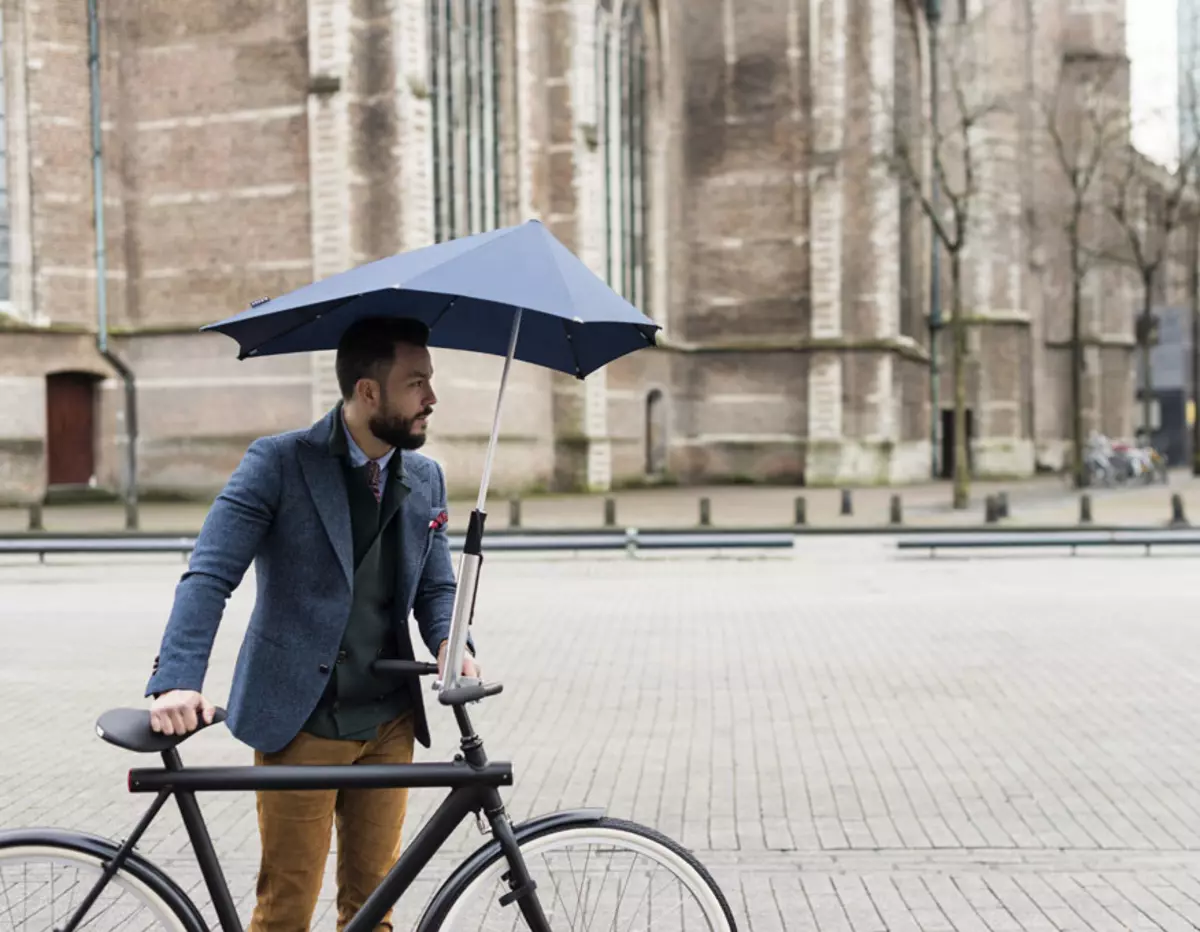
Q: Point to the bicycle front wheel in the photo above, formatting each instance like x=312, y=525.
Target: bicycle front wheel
x=609, y=874
x=47, y=877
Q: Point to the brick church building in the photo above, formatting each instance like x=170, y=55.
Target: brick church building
x=715, y=160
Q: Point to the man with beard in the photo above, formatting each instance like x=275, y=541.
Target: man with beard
x=346, y=526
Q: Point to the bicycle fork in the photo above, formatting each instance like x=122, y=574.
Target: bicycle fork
x=522, y=888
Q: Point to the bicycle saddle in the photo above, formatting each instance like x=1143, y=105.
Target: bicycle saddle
x=130, y=729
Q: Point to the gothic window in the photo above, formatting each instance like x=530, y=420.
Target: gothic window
x=908, y=125
x=5, y=219
x=464, y=43
x=621, y=62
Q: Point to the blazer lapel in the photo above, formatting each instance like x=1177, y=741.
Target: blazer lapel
x=327, y=486
x=413, y=528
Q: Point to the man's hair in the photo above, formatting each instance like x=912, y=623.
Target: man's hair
x=368, y=346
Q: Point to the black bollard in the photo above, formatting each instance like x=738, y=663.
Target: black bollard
x=610, y=512
x=801, y=516
x=1178, y=518
x=514, y=513
x=36, y=522
x=1085, y=509
x=1002, y=504
x=847, y=503
x=991, y=510
x=897, y=511
x=705, y=513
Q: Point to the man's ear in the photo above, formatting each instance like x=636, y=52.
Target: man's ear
x=367, y=391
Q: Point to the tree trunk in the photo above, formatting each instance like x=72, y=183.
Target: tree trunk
x=962, y=470
x=1077, y=464
x=1147, y=375
x=1194, y=290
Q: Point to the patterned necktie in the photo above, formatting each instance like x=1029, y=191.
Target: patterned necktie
x=373, y=479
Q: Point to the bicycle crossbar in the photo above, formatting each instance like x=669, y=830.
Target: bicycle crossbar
x=319, y=777
x=630, y=539
x=1144, y=538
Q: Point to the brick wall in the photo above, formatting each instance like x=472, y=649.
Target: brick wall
x=791, y=287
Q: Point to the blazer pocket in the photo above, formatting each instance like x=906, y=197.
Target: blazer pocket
x=271, y=639
x=437, y=519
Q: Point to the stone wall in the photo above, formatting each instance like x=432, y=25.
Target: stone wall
x=251, y=146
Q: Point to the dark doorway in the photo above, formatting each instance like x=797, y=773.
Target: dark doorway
x=656, y=433
x=948, y=443
x=71, y=427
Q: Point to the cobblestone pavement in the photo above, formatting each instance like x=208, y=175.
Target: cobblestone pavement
x=849, y=739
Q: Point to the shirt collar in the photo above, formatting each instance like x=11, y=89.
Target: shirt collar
x=357, y=456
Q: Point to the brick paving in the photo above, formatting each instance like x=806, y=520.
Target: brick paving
x=849, y=739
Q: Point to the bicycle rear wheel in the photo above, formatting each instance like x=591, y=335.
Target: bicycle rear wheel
x=604, y=875
x=46, y=875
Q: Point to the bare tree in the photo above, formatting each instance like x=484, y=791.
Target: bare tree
x=1149, y=204
x=949, y=150
x=1086, y=132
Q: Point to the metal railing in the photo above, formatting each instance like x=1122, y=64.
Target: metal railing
x=630, y=540
x=1073, y=540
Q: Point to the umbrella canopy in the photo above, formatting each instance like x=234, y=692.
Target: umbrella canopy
x=468, y=292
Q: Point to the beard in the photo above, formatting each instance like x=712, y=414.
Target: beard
x=397, y=431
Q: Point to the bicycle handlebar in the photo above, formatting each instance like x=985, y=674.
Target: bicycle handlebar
x=469, y=691
x=472, y=692
x=404, y=667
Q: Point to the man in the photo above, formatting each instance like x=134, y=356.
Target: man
x=345, y=524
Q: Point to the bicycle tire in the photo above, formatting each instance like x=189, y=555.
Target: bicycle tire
x=170, y=905
x=441, y=909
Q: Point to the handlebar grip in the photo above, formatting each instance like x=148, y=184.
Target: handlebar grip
x=460, y=695
x=404, y=667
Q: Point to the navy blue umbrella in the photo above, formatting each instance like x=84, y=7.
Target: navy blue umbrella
x=515, y=292
x=468, y=292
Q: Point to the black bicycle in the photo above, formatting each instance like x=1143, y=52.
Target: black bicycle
x=53, y=880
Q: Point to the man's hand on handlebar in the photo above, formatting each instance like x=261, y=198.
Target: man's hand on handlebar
x=469, y=668
x=178, y=711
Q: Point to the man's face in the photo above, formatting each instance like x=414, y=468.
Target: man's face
x=400, y=415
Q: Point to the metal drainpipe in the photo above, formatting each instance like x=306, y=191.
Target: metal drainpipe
x=933, y=16
x=131, y=431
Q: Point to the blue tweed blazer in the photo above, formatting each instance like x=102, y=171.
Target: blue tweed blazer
x=285, y=509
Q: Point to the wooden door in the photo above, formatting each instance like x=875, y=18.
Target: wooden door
x=70, y=427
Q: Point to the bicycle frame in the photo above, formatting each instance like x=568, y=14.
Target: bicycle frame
x=474, y=788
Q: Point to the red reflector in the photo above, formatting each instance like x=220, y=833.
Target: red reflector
x=129, y=781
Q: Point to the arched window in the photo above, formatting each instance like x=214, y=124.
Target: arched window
x=656, y=433
x=621, y=62
x=909, y=127
x=464, y=90
x=5, y=224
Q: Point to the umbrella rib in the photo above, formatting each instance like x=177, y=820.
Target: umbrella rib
x=442, y=313
x=304, y=323
x=574, y=353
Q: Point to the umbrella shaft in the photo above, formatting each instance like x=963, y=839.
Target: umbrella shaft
x=481, y=504
x=469, y=562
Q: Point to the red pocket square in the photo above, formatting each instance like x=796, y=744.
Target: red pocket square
x=439, y=522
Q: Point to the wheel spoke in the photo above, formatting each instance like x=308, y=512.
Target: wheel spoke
x=618, y=859
x=48, y=883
